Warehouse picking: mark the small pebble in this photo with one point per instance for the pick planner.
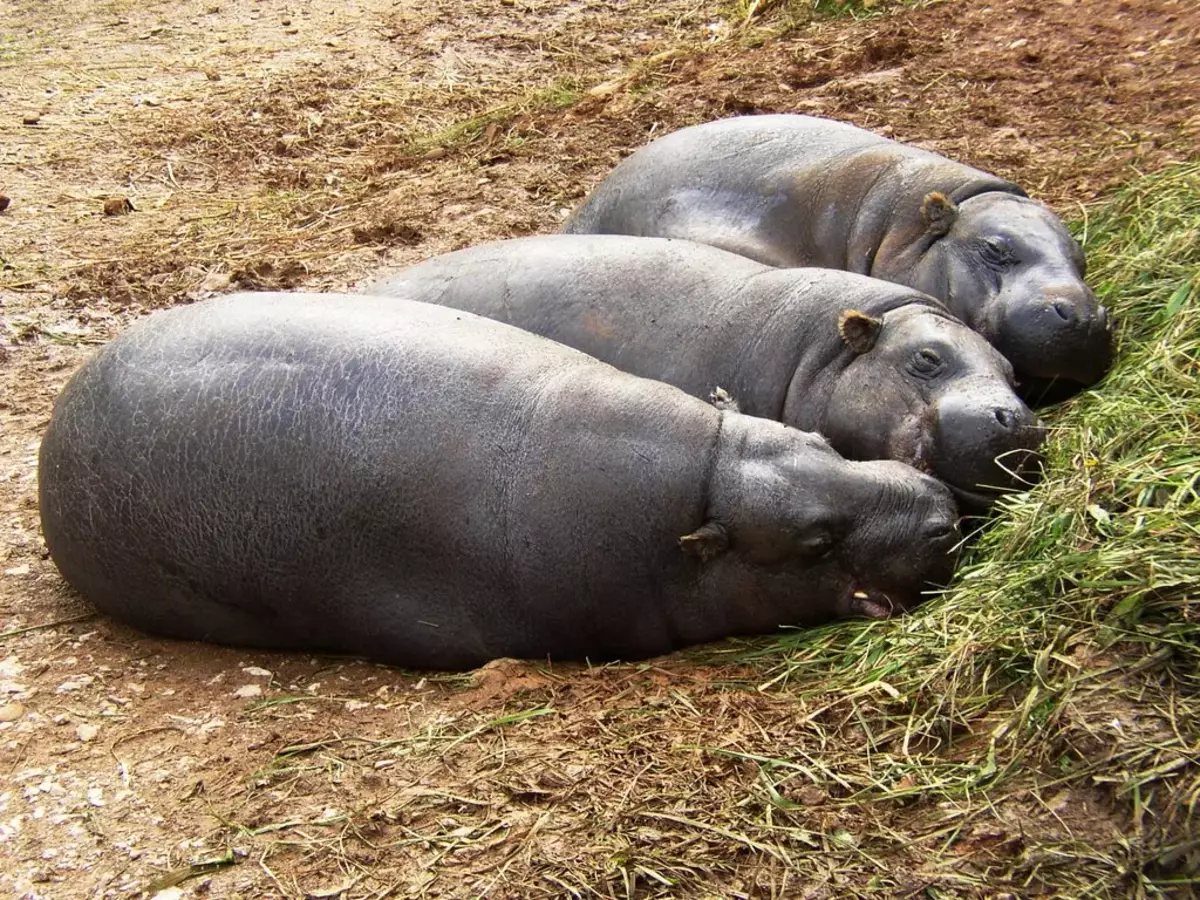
(118, 206)
(31, 120)
(247, 691)
(10, 712)
(87, 732)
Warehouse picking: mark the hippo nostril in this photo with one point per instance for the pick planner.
(1065, 311)
(1006, 417)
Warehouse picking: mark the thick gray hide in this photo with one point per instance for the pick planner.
(432, 489)
(790, 190)
(701, 318)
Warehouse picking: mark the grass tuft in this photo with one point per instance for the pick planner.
(800, 10)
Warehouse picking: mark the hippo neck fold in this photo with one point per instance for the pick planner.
(863, 212)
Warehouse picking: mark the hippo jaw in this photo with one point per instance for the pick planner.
(883, 586)
(1010, 269)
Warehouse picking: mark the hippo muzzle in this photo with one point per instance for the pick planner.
(885, 588)
(1061, 333)
(1008, 431)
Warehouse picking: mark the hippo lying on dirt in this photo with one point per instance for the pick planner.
(801, 191)
(882, 371)
(433, 489)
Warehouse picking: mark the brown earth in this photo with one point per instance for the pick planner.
(307, 145)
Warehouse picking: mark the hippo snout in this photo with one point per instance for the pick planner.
(940, 536)
(1064, 333)
(985, 446)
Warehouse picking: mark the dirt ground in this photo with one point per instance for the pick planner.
(281, 144)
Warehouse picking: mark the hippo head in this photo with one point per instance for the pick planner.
(800, 535)
(1009, 268)
(923, 388)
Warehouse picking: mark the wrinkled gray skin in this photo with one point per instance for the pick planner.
(431, 489)
(929, 392)
(793, 190)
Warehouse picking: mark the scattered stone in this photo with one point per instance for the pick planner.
(257, 672)
(118, 206)
(248, 691)
(10, 712)
(18, 570)
(74, 684)
(171, 893)
(95, 796)
(87, 733)
(33, 119)
(4, 202)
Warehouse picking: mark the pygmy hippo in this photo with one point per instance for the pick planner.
(880, 370)
(432, 489)
(792, 190)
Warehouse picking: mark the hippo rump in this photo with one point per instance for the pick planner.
(432, 489)
(880, 370)
(792, 190)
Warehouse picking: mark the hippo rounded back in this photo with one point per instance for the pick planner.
(883, 371)
(432, 489)
(791, 190)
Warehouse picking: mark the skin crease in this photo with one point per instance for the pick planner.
(769, 338)
(791, 190)
(431, 489)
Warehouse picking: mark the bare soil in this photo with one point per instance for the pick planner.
(156, 153)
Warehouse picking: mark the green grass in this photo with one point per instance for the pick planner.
(1065, 659)
(802, 10)
(563, 93)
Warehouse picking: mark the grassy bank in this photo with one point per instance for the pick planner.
(1038, 728)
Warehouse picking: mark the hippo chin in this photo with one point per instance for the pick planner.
(883, 371)
(432, 489)
(791, 190)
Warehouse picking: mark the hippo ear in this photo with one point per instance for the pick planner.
(708, 541)
(938, 212)
(859, 330)
(722, 399)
